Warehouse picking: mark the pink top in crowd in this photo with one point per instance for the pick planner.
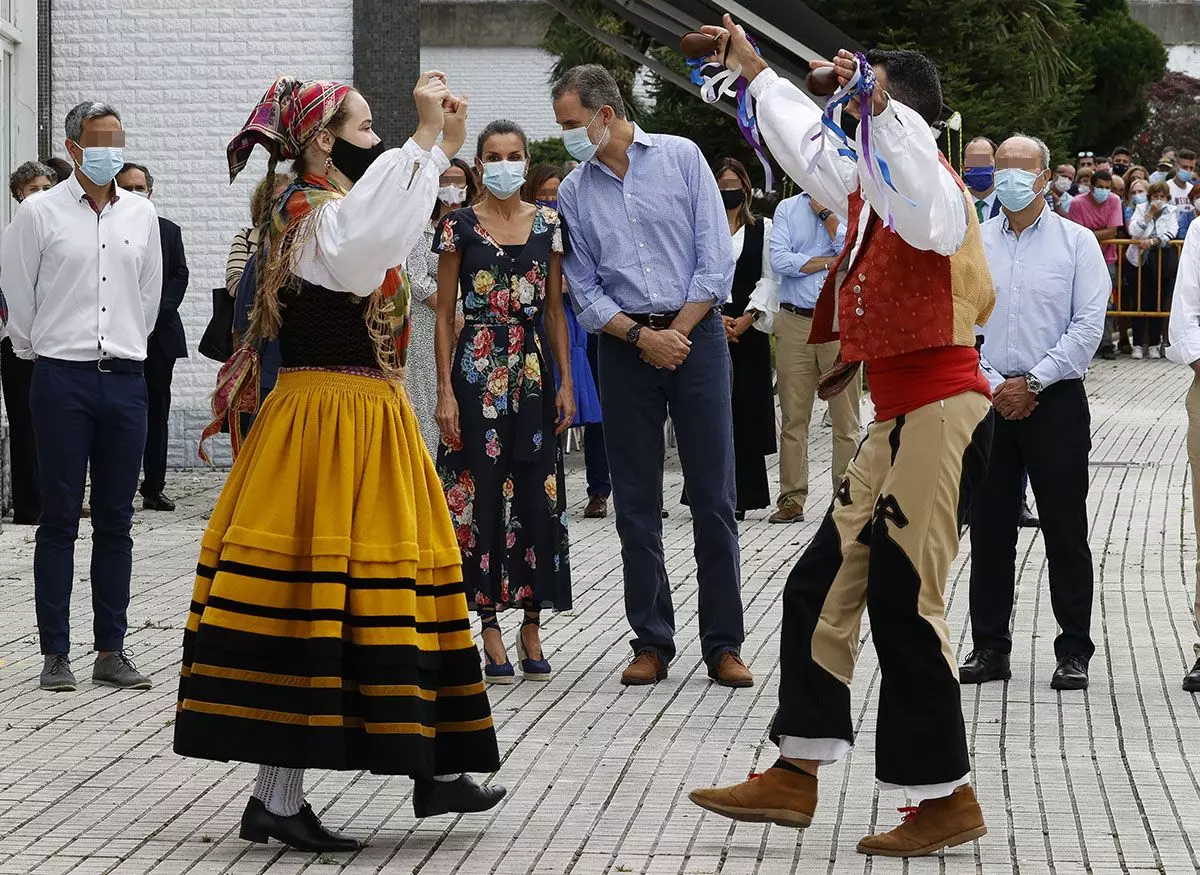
(1085, 211)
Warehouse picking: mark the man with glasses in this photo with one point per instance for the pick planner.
(82, 268)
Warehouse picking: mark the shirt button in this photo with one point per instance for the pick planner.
(862, 277)
(857, 289)
(103, 279)
(103, 309)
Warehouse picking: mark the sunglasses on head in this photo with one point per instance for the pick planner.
(1086, 155)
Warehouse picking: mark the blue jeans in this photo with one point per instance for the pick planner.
(79, 416)
(698, 396)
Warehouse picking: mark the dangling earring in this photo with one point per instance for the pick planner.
(328, 163)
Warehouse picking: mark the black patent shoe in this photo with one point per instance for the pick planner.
(1026, 519)
(1071, 674)
(157, 502)
(463, 796)
(1191, 680)
(983, 666)
(302, 831)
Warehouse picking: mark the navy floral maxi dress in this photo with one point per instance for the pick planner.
(504, 480)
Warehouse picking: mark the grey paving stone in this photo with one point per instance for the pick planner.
(1095, 782)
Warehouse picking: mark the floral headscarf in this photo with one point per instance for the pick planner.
(288, 116)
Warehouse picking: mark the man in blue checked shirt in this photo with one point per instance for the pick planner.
(649, 263)
(805, 242)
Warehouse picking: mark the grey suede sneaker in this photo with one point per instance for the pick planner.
(116, 670)
(56, 674)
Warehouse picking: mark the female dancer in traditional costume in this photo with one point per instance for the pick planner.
(329, 626)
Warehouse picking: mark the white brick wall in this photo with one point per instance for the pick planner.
(512, 83)
(185, 76)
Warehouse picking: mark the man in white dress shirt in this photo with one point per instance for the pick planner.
(1185, 349)
(82, 268)
(1052, 287)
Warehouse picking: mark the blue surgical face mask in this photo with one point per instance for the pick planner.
(504, 178)
(1140, 198)
(979, 178)
(1183, 175)
(1100, 194)
(551, 204)
(580, 145)
(101, 164)
(1014, 188)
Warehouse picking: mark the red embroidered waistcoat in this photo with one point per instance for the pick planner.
(896, 299)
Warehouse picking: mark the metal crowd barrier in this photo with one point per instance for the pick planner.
(1143, 291)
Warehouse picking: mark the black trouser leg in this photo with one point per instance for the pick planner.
(995, 512)
(158, 372)
(16, 375)
(1055, 444)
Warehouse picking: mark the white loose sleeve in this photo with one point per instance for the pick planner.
(374, 227)
(1185, 305)
(788, 119)
(934, 216)
(765, 297)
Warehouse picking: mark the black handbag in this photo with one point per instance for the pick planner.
(217, 342)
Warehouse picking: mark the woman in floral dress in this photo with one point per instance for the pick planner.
(498, 411)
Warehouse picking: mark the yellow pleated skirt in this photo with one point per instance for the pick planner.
(328, 625)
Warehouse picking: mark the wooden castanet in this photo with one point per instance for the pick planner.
(822, 81)
(698, 45)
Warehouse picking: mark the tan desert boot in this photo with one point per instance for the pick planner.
(927, 828)
(783, 794)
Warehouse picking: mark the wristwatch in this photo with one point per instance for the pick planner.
(1033, 384)
(634, 333)
(824, 215)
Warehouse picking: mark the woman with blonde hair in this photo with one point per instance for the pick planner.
(328, 626)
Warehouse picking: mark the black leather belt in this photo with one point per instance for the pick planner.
(104, 366)
(799, 311)
(661, 321)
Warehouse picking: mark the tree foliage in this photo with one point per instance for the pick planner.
(1073, 72)
(1125, 57)
(1173, 118)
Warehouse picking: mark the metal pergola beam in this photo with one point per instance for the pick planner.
(619, 45)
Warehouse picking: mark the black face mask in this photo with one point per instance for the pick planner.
(1120, 169)
(733, 198)
(353, 160)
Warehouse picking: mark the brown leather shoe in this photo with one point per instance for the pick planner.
(778, 795)
(647, 668)
(787, 513)
(597, 508)
(731, 671)
(934, 824)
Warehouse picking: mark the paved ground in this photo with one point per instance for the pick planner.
(1100, 782)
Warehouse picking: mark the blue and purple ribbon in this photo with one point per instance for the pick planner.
(713, 86)
(861, 88)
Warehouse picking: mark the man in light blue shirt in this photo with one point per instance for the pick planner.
(805, 241)
(649, 261)
(1052, 288)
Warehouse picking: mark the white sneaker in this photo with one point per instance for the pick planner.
(1156, 352)
(1137, 352)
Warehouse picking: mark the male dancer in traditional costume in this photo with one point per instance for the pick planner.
(904, 300)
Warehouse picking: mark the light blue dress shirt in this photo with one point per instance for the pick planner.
(798, 237)
(650, 243)
(1052, 288)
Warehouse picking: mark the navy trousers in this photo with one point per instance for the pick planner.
(595, 458)
(698, 396)
(81, 415)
